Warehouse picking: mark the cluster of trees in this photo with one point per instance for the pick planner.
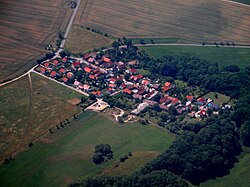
(97, 31)
(47, 56)
(209, 153)
(156, 178)
(103, 153)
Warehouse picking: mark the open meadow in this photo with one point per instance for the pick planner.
(220, 55)
(58, 159)
(25, 116)
(81, 40)
(26, 26)
(185, 21)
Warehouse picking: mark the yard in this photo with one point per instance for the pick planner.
(81, 40)
(217, 98)
(222, 56)
(69, 157)
(185, 21)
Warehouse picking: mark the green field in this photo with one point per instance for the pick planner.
(57, 163)
(222, 56)
(220, 98)
(239, 176)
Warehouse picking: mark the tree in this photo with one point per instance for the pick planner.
(92, 97)
(119, 83)
(142, 42)
(116, 45)
(245, 133)
(98, 158)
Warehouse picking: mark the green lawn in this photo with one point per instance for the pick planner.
(143, 72)
(222, 56)
(220, 98)
(239, 176)
(58, 163)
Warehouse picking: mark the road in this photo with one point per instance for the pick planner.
(69, 26)
(74, 89)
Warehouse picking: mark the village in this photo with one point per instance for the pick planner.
(98, 77)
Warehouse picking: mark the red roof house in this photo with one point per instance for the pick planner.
(55, 62)
(92, 77)
(126, 90)
(53, 74)
(65, 79)
(105, 59)
(87, 69)
(65, 59)
(70, 75)
(62, 70)
(46, 64)
(190, 97)
(133, 70)
(76, 64)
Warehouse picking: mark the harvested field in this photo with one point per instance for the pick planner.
(26, 26)
(188, 21)
(81, 40)
(23, 120)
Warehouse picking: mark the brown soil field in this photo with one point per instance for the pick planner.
(81, 40)
(188, 21)
(26, 26)
(48, 107)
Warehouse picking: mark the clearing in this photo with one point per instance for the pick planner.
(57, 163)
(50, 104)
(221, 55)
(185, 21)
(81, 40)
(26, 26)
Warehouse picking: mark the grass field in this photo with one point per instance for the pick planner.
(239, 176)
(82, 40)
(222, 56)
(58, 163)
(220, 98)
(26, 26)
(188, 21)
(22, 120)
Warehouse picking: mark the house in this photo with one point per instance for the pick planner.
(132, 71)
(190, 97)
(165, 100)
(86, 87)
(201, 101)
(65, 59)
(141, 92)
(123, 85)
(53, 74)
(46, 64)
(91, 60)
(65, 79)
(126, 90)
(145, 82)
(70, 75)
(41, 70)
(76, 64)
(112, 85)
(113, 80)
(202, 113)
(137, 96)
(167, 84)
(87, 69)
(105, 59)
(77, 83)
(62, 70)
(174, 102)
(139, 108)
(156, 86)
(55, 62)
(133, 62)
(86, 56)
(150, 102)
(98, 94)
(163, 107)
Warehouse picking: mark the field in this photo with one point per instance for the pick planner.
(26, 26)
(220, 98)
(24, 118)
(56, 163)
(82, 40)
(239, 176)
(187, 21)
(222, 56)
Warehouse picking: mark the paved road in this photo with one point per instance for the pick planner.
(79, 91)
(69, 25)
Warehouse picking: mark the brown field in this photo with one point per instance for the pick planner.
(23, 120)
(26, 26)
(188, 21)
(81, 40)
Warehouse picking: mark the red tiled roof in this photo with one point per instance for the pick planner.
(167, 84)
(133, 70)
(65, 79)
(126, 90)
(70, 75)
(53, 74)
(201, 99)
(105, 59)
(92, 76)
(62, 70)
(123, 85)
(165, 88)
(64, 59)
(139, 76)
(86, 56)
(145, 82)
(141, 92)
(162, 100)
(55, 62)
(190, 97)
(76, 64)
(46, 64)
(87, 69)
(112, 85)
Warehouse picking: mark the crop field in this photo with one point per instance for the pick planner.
(23, 118)
(70, 157)
(222, 56)
(26, 26)
(81, 40)
(239, 176)
(187, 21)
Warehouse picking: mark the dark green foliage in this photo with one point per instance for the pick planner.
(198, 157)
(161, 178)
(245, 133)
(102, 152)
